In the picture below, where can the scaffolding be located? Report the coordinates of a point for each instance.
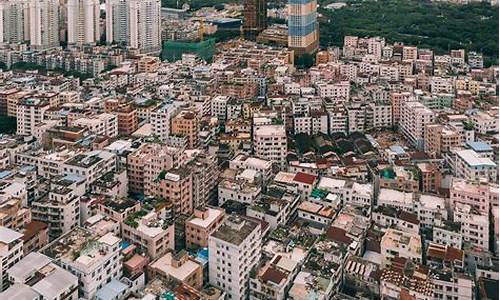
(173, 50)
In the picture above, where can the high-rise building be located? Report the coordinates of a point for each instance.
(233, 250)
(135, 23)
(83, 21)
(14, 21)
(254, 16)
(303, 31)
(44, 24)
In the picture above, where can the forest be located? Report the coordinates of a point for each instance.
(439, 26)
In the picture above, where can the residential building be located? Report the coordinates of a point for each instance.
(204, 222)
(83, 22)
(92, 259)
(233, 251)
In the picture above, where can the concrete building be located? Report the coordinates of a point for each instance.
(94, 260)
(44, 24)
(179, 266)
(30, 114)
(60, 208)
(103, 124)
(396, 243)
(414, 117)
(176, 186)
(186, 124)
(83, 22)
(303, 30)
(11, 252)
(39, 274)
(471, 166)
(474, 225)
(153, 234)
(233, 251)
(204, 222)
(134, 23)
(270, 143)
(14, 22)
(481, 196)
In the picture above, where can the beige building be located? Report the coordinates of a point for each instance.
(396, 243)
(439, 139)
(176, 186)
(144, 166)
(179, 266)
(201, 225)
(150, 232)
(186, 124)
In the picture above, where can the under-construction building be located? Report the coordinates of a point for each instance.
(254, 17)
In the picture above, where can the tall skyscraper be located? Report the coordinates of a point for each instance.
(135, 23)
(83, 21)
(44, 24)
(254, 16)
(303, 31)
(14, 21)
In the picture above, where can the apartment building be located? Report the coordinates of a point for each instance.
(233, 251)
(396, 243)
(94, 260)
(160, 119)
(44, 24)
(83, 21)
(179, 266)
(60, 208)
(203, 222)
(11, 252)
(103, 124)
(479, 195)
(90, 165)
(135, 23)
(471, 166)
(186, 124)
(441, 138)
(414, 117)
(340, 91)
(270, 143)
(474, 225)
(148, 230)
(30, 114)
(38, 274)
(176, 186)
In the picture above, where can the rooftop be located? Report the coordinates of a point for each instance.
(235, 230)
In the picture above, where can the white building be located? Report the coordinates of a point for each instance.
(30, 113)
(414, 117)
(396, 199)
(83, 21)
(471, 166)
(102, 124)
(233, 250)
(44, 24)
(90, 165)
(94, 260)
(431, 210)
(339, 90)
(60, 209)
(270, 143)
(11, 252)
(54, 282)
(160, 119)
(396, 243)
(473, 224)
(14, 21)
(135, 23)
